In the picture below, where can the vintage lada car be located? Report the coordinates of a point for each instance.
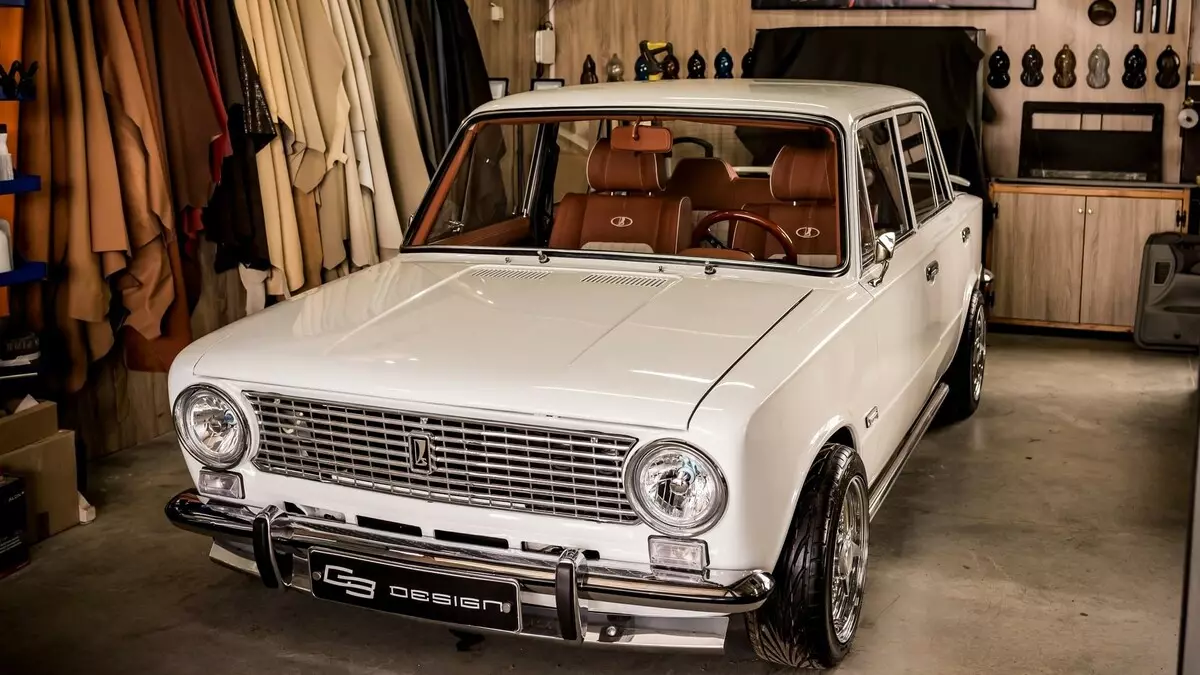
(651, 358)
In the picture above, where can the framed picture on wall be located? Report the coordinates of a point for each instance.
(546, 83)
(893, 4)
(499, 87)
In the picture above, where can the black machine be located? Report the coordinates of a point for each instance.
(1091, 154)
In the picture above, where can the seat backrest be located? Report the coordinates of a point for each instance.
(627, 211)
(712, 184)
(804, 185)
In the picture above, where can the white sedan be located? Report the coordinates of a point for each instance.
(652, 357)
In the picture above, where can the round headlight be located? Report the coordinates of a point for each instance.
(211, 427)
(676, 488)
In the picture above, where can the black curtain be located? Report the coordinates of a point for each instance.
(938, 64)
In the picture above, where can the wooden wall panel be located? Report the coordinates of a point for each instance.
(508, 44)
(604, 27)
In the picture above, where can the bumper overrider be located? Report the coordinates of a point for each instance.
(691, 611)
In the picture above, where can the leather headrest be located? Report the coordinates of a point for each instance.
(642, 138)
(804, 174)
(711, 174)
(610, 170)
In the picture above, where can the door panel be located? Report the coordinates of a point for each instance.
(956, 259)
(901, 313)
(1038, 256)
(1116, 231)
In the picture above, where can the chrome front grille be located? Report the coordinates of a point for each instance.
(445, 459)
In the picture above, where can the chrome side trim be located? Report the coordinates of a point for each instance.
(887, 477)
(718, 591)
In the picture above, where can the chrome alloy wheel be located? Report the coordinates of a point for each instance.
(850, 560)
(978, 354)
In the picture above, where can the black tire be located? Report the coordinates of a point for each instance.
(795, 627)
(963, 399)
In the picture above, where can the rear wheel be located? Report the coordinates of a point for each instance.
(810, 619)
(965, 374)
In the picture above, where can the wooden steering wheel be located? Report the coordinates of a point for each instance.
(701, 233)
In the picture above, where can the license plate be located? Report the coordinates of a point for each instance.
(468, 600)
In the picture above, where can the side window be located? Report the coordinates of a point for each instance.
(866, 226)
(920, 161)
(882, 177)
(489, 188)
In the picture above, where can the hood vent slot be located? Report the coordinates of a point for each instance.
(513, 273)
(625, 280)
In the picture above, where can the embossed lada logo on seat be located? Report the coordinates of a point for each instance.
(808, 233)
(420, 454)
(621, 221)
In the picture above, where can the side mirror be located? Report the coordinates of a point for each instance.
(885, 248)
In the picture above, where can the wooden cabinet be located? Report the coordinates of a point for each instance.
(1050, 258)
(1070, 255)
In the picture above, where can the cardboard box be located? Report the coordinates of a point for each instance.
(48, 467)
(28, 426)
(14, 551)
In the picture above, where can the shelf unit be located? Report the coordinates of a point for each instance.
(27, 272)
(11, 42)
(23, 182)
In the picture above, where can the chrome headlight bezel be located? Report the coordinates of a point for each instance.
(190, 444)
(637, 464)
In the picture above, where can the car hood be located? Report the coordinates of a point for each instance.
(630, 348)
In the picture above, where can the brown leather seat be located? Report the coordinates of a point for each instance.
(804, 182)
(627, 211)
(713, 185)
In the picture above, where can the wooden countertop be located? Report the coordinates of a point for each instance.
(1104, 184)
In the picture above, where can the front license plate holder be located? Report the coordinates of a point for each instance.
(464, 599)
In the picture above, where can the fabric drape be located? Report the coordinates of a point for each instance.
(398, 128)
(234, 217)
(298, 136)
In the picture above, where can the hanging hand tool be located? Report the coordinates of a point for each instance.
(656, 55)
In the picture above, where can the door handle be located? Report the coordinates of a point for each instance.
(966, 234)
(931, 271)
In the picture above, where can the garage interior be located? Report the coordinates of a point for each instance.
(1048, 533)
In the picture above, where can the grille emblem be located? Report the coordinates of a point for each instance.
(621, 221)
(420, 454)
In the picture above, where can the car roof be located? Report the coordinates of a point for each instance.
(843, 101)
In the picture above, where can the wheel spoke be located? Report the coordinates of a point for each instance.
(849, 562)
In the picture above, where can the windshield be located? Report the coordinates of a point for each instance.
(701, 188)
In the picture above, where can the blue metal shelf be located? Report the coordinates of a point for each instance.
(12, 3)
(30, 271)
(22, 183)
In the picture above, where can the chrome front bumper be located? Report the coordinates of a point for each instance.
(274, 545)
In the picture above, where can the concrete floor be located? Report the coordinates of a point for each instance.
(1045, 535)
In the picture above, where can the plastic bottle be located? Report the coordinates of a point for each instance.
(6, 163)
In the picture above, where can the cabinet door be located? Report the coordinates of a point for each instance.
(1117, 228)
(1037, 256)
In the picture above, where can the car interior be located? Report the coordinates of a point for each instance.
(639, 188)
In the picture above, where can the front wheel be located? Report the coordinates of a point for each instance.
(965, 374)
(810, 619)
